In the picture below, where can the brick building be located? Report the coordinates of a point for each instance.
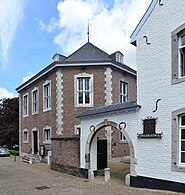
(51, 100)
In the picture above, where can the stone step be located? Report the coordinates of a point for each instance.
(31, 159)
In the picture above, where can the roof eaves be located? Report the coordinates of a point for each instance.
(111, 112)
(142, 21)
(37, 76)
(73, 64)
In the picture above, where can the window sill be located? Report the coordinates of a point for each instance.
(47, 142)
(46, 110)
(156, 135)
(178, 168)
(178, 80)
(24, 116)
(35, 113)
(84, 106)
(25, 142)
(123, 142)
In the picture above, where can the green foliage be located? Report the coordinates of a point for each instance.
(9, 121)
(14, 152)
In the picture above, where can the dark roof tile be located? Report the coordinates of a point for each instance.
(113, 108)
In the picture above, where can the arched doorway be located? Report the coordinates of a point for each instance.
(91, 146)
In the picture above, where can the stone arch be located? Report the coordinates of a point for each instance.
(94, 131)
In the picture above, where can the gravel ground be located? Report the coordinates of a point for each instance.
(18, 178)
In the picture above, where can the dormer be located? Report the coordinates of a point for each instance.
(117, 56)
(58, 57)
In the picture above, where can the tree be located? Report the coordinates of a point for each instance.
(9, 121)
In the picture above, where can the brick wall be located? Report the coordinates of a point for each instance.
(40, 120)
(66, 155)
(69, 111)
(118, 76)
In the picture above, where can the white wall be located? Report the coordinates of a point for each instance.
(153, 156)
(154, 82)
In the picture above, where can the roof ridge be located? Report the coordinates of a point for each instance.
(98, 50)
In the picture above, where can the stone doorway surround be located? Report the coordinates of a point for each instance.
(92, 138)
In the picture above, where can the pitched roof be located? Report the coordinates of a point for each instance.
(125, 107)
(88, 52)
(87, 55)
(142, 22)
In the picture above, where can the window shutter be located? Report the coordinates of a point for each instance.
(174, 41)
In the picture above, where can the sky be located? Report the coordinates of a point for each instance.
(31, 32)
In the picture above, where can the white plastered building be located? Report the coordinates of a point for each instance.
(154, 126)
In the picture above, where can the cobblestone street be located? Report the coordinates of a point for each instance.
(17, 178)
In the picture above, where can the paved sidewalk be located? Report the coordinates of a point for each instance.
(17, 178)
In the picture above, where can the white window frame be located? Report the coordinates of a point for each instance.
(180, 139)
(35, 102)
(46, 141)
(122, 138)
(25, 141)
(25, 112)
(123, 96)
(47, 98)
(176, 164)
(77, 129)
(119, 57)
(181, 73)
(76, 92)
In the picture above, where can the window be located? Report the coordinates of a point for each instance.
(178, 54)
(123, 92)
(182, 140)
(77, 130)
(25, 136)
(182, 55)
(83, 90)
(122, 137)
(35, 101)
(47, 96)
(25, 105)
(47, 134)
(119, 57)
(178, 140)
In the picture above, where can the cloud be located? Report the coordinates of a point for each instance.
(110, 28)
(4, 93)
(11, 12)
(27, 77)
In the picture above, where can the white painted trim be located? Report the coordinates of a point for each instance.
(142, 21)
(38, 140)
(26, 115)
(75, 129)
(179, 56)
(91, 104)
(59, 102)
(26, 141)
(20, 125)
(44, 140)
(46, 83)
(108, 86)
(121, 94)
(180, 140)
(35, 89)
(74, 65)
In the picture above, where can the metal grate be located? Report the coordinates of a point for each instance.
(42, 187)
